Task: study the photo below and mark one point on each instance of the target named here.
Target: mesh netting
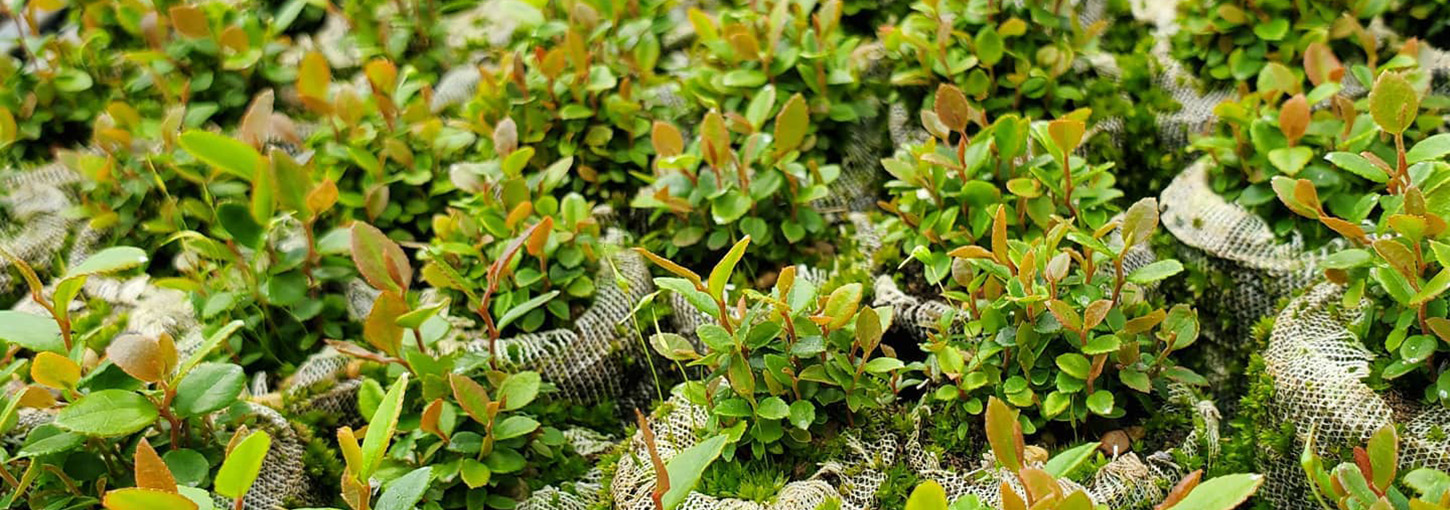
(1317, 365)
(37, 226)
(1224, 238)
(588, 361)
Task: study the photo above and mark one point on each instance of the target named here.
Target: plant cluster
(1370, 480)
(781, 366)
(1275, 131)
(1040, 480)
(1404, 258)
(111, 395)
(1232, 41)
(1044, 302)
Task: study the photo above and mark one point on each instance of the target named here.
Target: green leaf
(404, 492)
(136, 498)
(720, 275)
(686, 468)
(1063, 465)
(110, 260)
(673, 347)
(108, 413)
(1273, 30)
(791, 124)
(518, 390)
(802, 414)
(772, 408)
(1222, 493)
(745, 78)
(211, 387)
(1394, 283)
(520, 310)
(211, 343)
(1155, 271)
(730, 206)
(1384, 452)
(842, 303)
(1101, 402)
(222, 153)
(1393, 103)
(48, 439)
(1358, 165)
(1004, 435)
(1435, 147)
(475, 474)
(1290, 160)
(1074, 364)
(237, 220)
(989, 46)
(1433, 288)
(39, 334)
(242, 465)
(928, 495)
(514, 426)
(1347, 258)
(381, 427)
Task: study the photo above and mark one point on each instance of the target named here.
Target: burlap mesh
(1317, 365)
(587, 362)
(1224, 238)
(35, 204)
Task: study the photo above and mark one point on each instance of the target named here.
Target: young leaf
(55, 371)
(138, 498)
(720, 275)
(952, 108)
(39, 334)
(687, 466)
(404, 492)
(1222, 493)
(242, 465)
(842, 303)
(1393, 103)
(382, 426)
(666, 138)
(1294, 118)
(471, 396)
(1140, 221)
(1005, 434)
(791, 124)
(1384, 449)
(928, 495)
(151, 471)
(222, 153)
(1155, 271)
(1066, 134)
(380, 260)
(142, 357)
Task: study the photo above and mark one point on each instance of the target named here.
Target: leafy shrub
(1275, 132)
(1234, 40)
(1371, 479)
(1406, 244)
(820, 361)
(740, 178)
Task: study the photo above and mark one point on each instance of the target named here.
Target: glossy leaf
(242, 465)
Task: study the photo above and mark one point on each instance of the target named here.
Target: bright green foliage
(1403, 264)
(821, 361)
(1274, 133)
(1234, 40)
(1370, 481)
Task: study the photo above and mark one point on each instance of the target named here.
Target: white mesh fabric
(586, 361)
(1317, 365)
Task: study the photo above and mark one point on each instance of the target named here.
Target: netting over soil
(1317, 365)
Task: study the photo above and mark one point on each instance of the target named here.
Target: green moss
(899, 483)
